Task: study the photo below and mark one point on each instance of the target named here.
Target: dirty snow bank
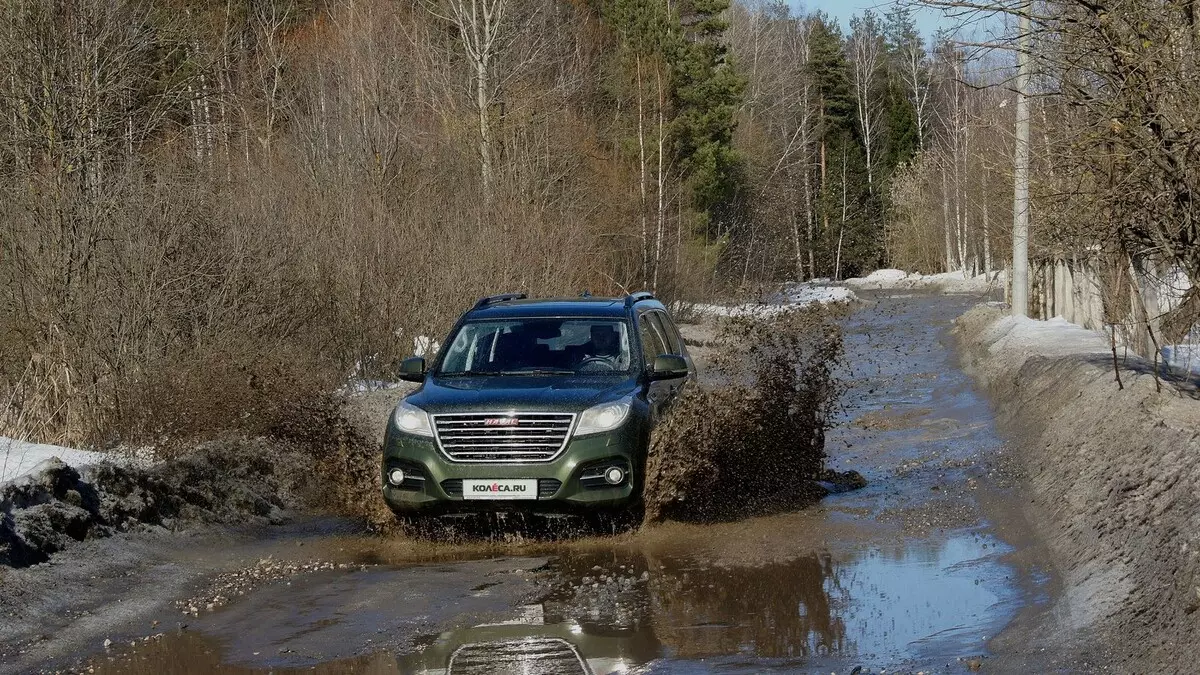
(55, 504)
(1055, 337)
(949, 282)
(792, 296)
(1059, 337)
(1115, 483)
(18, 458)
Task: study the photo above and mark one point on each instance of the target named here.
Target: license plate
(500, 488)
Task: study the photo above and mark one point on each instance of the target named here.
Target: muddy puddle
(907, 573)
(610, 612)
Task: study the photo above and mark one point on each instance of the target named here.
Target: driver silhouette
(605, 343)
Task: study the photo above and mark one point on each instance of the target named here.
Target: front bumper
(561, 483)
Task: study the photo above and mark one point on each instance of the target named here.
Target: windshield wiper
(538, 371)
(472, 373)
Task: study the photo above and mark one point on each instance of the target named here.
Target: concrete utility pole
(1020, 268)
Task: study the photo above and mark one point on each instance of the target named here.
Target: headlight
(604, 417)
(411, 419)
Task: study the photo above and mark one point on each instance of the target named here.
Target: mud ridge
(56, 505)
(1115, 479)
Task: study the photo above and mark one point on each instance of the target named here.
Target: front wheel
(618, 520)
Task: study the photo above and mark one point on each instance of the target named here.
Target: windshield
(541, 346)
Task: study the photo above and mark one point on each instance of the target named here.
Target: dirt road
(918, 571)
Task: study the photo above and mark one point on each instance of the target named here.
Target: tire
(610, 522)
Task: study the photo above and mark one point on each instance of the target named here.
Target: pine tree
(843, 191)
(903, 138)
(908, 65)
(707, 93)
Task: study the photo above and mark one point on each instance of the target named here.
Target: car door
(658, 392)
(674, 344)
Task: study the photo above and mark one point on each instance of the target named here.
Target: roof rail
(493, 299)
(638, 297)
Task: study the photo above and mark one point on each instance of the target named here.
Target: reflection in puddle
(533, 649)
(886, 606)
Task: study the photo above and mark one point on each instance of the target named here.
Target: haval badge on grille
(500, 422)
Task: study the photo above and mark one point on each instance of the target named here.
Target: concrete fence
(1136, 300)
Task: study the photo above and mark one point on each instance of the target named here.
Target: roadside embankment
(322, 461)
(56, 505)
(1114, 472)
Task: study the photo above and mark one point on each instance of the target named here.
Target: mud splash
(755, 427)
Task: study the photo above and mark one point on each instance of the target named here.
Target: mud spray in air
(756, 557)
(750, 439)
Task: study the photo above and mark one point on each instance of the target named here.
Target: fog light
(614, 475)
(396, 476)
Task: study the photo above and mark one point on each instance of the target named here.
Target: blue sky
(927, 20)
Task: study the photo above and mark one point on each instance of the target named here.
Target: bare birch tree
(866, 57)
(483, 32)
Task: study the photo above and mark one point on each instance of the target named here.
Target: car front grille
(530, 656)
(502, 438)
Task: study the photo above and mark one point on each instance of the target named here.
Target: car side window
(669, 334)
(652, 343)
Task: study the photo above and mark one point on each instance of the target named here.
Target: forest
(263, 198)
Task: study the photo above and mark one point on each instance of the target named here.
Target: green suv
(543, 405)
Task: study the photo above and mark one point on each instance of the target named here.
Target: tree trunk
(946, 219)
(837, 267)
(658, 238)
(793, 218)
(987, 242)
(485, 128)
(1020, 265)
(959, 227)
(641, 132)
(808, 221)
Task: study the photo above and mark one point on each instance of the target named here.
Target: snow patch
(1053, 337)
(807, 293)
(1182, 358)
(363, 386)
(18, 458)
(947, 282)
(423, 344)
(758, 310)
(885, 276)
(793, 295)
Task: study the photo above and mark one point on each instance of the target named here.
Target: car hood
(533, 393)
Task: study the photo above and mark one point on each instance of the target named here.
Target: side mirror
(668, 367)
(412, 369)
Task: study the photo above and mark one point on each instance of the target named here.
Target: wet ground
(918, 571)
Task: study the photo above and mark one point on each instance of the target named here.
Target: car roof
(534, 307)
